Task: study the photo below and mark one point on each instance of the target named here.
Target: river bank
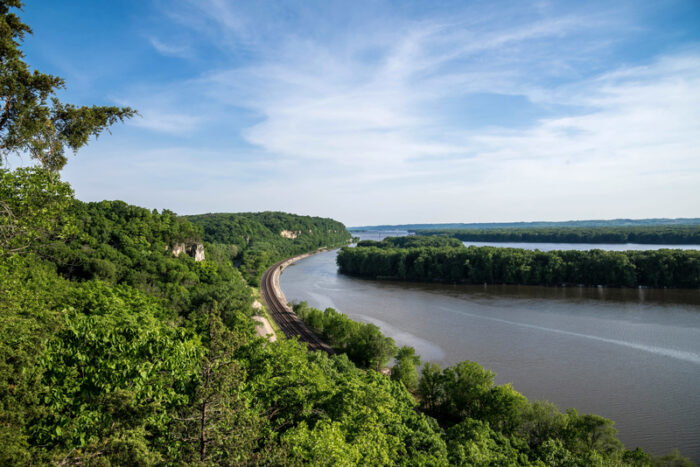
(631, 355)
(279, 308)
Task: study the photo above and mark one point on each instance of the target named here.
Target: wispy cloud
(483, 112)
(166, 122)
(172, 50)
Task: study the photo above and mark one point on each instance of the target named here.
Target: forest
(390, 259)
(115, 350)
(255, 241)
(644, 234)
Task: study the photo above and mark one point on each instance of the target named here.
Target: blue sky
(376, 112)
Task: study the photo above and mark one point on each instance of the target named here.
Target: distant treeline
(255, 241)
(411, 242)
(656, 235)
(492, 265)
(536, 224)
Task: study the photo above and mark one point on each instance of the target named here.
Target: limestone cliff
(290, 234)
(195, 250)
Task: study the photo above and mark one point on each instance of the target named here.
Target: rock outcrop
(290, 233)
(178, 248)
(195, 250)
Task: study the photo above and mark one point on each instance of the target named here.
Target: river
(632, 355)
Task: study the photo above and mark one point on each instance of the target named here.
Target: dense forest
(114, 352)
(395, 259)
(117, 349)
(258, 240)
(657, 234)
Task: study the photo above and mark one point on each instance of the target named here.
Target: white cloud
(359, 124)
(172, 50)
(166, 122)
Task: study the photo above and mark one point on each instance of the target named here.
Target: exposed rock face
(195, 250)
(290, 234)
(178, 248)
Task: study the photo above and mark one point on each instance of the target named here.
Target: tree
(33, 207)
(542, 421)
(405, 368)
(430, 388)
(466, 385)
(591, 432)
(218, 428)
(32, 119)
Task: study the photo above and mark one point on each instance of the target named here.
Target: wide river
(632, 355)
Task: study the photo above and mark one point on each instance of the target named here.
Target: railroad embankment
(281, 312)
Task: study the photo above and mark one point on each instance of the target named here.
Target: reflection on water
(568, 294)
(632, 355)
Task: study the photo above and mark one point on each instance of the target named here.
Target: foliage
(32, 119)
(478, 265)
(411, 241)
(644, 234)
(111, 377)
(217, 427)
(496, 425)
(363, 343)
(405, 368)
(34, 206)
(258, 240)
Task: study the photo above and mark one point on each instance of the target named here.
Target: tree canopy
(494, 265)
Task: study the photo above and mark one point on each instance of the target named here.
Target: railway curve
(282, 313)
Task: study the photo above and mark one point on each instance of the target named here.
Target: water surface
(632, 355)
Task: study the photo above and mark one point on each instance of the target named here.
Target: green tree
(405, 369)
(472, 442)
(218, 427)
(32, 119)
(111, 378)
(430, 388)
(466, 385)
(33, 207)
(542, 421)
(591, 433)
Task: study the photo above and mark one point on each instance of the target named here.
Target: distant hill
(256, 240)
(525, 225)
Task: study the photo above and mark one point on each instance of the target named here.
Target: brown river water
(632, 355)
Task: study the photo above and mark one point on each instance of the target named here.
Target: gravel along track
(288, 321)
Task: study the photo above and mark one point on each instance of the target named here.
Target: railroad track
(284, 316)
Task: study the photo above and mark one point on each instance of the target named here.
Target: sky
(381, 112)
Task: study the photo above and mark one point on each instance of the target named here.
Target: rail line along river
(632, 355)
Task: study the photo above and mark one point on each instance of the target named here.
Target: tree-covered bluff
(258, 240)
(413, 260)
